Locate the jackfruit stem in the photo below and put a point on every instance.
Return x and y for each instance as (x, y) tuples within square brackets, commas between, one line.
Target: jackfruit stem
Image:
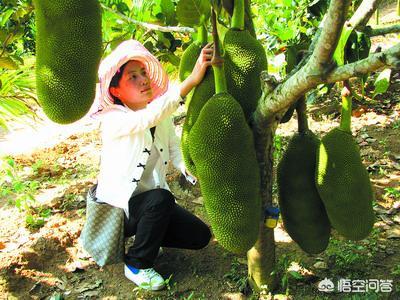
[(301, 109), (219, 74), (202, 34), (345, 120), (238, 15)]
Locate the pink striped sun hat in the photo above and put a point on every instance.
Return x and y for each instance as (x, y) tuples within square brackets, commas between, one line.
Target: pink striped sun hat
[(126, 51)]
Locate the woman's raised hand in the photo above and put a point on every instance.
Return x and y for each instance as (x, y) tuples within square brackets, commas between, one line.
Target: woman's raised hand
[(202, 63)]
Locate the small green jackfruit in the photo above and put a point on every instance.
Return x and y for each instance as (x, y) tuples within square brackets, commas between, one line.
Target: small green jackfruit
[(188, 60), (68, 52), (303, 213), (201, 94), (221, 146), (245, 58), (344, 186)]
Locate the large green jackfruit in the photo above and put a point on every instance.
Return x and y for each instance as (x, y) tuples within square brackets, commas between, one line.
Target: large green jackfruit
[(245, 58), (201, 94), (188, 60), (344, 186), (68, 51), (222, 148), (303, 212)]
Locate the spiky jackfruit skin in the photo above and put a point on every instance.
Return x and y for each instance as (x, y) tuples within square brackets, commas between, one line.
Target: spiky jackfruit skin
[(202, 93), (245, 58), (68, 51), (344, 186), (188, 60), (221, 146), (303, 212)]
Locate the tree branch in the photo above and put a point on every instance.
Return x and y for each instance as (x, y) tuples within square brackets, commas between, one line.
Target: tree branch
[(388, 58), (317, 67), (332, 28), (385, 30), (149, 25), (290, 90), (363, 13)]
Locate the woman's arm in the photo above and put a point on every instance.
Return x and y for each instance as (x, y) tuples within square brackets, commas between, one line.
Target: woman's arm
[(124, 122)]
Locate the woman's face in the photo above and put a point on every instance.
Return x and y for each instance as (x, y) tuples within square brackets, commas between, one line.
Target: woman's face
[(134, 88)]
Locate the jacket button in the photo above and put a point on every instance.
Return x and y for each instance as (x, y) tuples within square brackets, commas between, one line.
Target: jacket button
[(161, 150), (165, 162)]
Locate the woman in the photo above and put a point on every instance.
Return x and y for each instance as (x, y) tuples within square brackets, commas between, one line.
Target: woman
[(138, 140)]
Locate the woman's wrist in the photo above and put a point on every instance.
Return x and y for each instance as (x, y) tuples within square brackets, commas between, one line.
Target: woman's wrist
[(186, 86)]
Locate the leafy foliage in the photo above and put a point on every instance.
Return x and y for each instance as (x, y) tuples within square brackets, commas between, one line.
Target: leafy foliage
[(288, 23), (16, 32), (382, 82), (199, 10), (120, 22), (17, 94)]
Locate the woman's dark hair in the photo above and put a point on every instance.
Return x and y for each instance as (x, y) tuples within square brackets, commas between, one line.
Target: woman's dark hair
[(115, 82)]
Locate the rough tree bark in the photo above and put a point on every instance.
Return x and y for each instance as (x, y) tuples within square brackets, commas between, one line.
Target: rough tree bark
[(363, 13), (385, 30), (318, 69)]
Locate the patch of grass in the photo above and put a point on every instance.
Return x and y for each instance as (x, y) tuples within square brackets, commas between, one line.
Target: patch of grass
[(396, 270), (352, 259), (237, 275), (385, 144), (392, 192), (284, 273), (396, 124), (20, 192)]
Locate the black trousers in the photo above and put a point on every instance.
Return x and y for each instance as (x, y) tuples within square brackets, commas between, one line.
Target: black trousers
[(156, 220)]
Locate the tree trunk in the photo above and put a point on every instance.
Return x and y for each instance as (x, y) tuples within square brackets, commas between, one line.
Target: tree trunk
[(261, 258), (398, 7)]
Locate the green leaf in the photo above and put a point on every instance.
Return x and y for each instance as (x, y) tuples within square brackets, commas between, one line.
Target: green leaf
[(296, 275), (5, 16), (168, 10), (338, 56), (8, 63), (189, 12), (287, 2), (174, 59), (382, 82), (287, 34)]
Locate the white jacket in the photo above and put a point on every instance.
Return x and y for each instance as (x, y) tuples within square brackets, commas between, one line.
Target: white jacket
[(127, 141)]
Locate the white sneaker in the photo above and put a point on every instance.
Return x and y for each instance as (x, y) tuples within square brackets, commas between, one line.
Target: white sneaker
[(147, 279)]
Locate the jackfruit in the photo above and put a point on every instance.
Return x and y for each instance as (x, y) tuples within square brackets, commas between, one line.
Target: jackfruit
[(188, 60), (344, 186), (245, 58), (192, 52), (303, 213), (221, 146), (68, 52), (201, 94)]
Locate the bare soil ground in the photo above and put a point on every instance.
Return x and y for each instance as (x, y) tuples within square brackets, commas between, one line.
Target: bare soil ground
[(47, 263)]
